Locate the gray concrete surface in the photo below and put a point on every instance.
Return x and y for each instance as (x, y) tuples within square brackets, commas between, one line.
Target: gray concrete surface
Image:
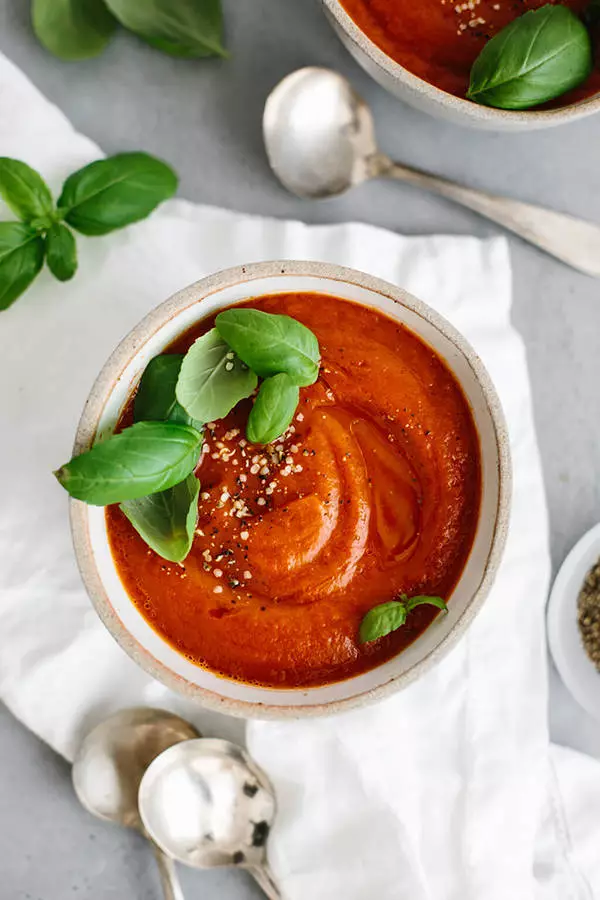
[(204, 117)]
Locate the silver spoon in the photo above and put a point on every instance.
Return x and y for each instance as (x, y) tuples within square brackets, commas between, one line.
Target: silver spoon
[(320, 141), (206, 804), (109, 765)]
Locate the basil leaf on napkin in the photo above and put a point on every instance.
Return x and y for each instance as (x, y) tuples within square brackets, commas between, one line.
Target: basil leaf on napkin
[(273, 409), (271, 344), (388, 617), (21, 258), (114, 192), (155, 400), (188, 28), (167, 520), (141, 460), (24, 190), (537, 57), (61, 251), (73, 29), (212, 379)]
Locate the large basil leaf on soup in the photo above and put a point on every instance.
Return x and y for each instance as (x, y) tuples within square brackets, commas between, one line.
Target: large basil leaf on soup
[(537, 57), (21, 258), (146, 458), (24, 190), (213, 379), (186, 28), (271, 344), (111, 193), (273, 409), (155, 400), (167, 520), (387, 617), (73, 29)]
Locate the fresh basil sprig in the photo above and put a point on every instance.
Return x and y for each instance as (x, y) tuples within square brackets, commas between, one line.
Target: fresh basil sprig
[(79, 29), (537, 57), (167, 520), (212, 379), (143, 459), (273, 409), (101, 197), (388, 617), (270, 344), (73, 29)]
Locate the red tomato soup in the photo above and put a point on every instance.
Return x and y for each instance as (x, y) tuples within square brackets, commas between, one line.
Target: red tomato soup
[(374, 492), (439, 40)]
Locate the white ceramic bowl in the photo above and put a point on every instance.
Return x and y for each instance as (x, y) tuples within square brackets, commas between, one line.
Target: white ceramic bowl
[(114, 386), (575, 668), (423, 95)]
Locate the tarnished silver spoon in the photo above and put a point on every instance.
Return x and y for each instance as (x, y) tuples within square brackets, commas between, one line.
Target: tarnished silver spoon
[(320, 141), (109, 766), (207, 804)]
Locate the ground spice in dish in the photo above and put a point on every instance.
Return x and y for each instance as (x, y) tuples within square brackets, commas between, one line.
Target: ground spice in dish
[(588, 614)]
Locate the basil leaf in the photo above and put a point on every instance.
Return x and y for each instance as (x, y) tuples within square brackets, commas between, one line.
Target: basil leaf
[(114, 192), (180, 27), (382, 620), (61, 252), (387, 617), (212, 379), (270, 343), (537, 57), (155, 400), (273, 409), (143, 459), (73, 29), (24, 190), (422, 600), (167, 520), (21, 258)]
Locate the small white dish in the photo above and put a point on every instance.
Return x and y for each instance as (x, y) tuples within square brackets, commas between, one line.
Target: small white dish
[(574, 666)]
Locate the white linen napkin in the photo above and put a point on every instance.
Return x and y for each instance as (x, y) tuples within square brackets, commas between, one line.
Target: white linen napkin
[(444, 791)]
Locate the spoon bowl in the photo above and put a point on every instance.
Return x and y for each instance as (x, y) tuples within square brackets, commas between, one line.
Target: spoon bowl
[(206, 804), (111, 761), (318, 133)]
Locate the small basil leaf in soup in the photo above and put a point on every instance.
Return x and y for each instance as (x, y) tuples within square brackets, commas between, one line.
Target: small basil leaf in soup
[(61, 251), (155, 400), (145, 458), (167, 520), (388, 617), (111, 193), (186, 28), (24, 190), (73, 29), (271, 344), (212, 379), (537, 57), (422, 600), (382, 620), (21, 258), (273, 409)]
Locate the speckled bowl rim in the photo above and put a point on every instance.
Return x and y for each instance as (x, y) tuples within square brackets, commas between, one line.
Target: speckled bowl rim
[(463, 107), (100, 395)]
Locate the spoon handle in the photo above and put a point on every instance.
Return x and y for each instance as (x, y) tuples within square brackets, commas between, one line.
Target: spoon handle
[(571, 240), (168, 876), (264, 878)]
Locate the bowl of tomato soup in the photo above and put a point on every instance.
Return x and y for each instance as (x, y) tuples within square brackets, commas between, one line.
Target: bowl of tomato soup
[(394, 479), (423, 52)]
